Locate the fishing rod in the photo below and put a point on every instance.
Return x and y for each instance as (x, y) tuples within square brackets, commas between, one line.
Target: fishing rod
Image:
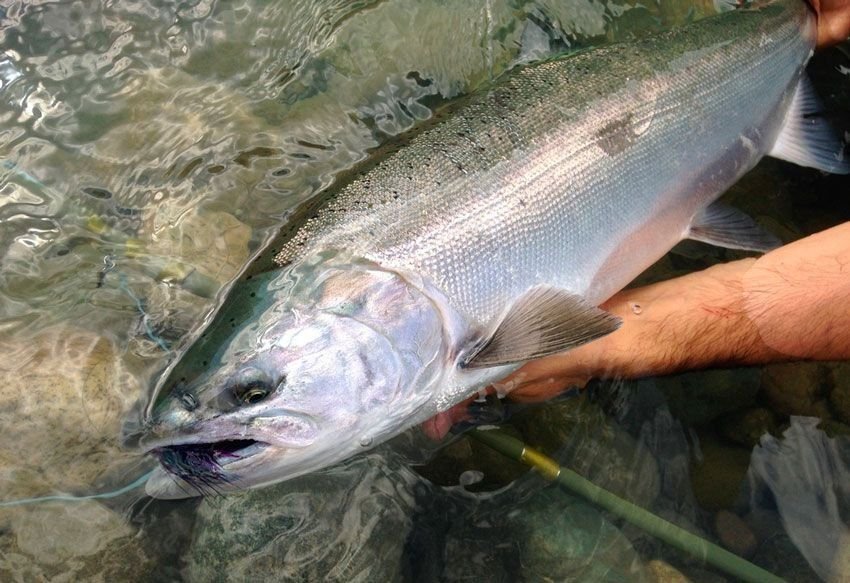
[(661, 529)]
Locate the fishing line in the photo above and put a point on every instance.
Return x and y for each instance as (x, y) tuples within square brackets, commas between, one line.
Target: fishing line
[(149, 332), (67, 498)]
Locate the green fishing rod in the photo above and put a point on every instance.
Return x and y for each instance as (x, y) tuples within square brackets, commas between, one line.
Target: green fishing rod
[(668, 532)]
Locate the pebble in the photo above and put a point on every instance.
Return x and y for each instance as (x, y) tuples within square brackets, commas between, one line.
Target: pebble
[(718, 477), (747, 426), (734, 533), (796, 388), (697, 398), (659, 571)]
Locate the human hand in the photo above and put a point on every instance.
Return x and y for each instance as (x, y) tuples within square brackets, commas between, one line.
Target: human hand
[(833, 21)]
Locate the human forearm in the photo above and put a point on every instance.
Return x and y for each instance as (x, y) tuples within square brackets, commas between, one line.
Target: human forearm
[(793, 303)]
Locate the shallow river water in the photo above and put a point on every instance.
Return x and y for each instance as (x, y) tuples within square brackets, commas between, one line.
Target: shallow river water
[(148, 149)]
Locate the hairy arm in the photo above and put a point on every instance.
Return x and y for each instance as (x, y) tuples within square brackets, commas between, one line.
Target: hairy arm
[(791, 304)]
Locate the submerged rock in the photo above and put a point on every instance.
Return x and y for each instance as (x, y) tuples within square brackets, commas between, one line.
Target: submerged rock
[(718, 476), (734, 533), (565, 539), (347, 523), (81, 541), (658, 571), (697, 398), (581, 437), (196, 247), (747, 426), (796, 388), (545, 535), (63, 399)]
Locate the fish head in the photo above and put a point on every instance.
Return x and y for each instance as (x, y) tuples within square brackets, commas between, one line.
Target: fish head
[(330, 367)]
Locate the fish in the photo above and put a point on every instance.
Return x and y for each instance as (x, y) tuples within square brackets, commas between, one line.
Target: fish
[(485, 238)]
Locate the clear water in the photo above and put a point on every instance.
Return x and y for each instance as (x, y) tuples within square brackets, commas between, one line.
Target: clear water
[(148, 148)]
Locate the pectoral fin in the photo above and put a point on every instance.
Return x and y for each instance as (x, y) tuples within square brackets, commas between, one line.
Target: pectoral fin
[(806, 137), (546, 320), (728, 227)]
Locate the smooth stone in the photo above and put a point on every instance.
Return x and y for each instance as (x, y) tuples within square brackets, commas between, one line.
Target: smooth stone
[(718, 477), (212, 242), (734, 533), (565, 539), (544, 534), (796, 388), (64, 396), (696, 398), (658, 571), (81, 541), (346, 523), (747, 426)]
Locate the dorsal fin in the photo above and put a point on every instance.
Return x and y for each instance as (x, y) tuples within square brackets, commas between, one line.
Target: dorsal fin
[(545, 320)]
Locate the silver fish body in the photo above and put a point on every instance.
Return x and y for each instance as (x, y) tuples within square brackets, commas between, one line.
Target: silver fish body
[(576, 173)]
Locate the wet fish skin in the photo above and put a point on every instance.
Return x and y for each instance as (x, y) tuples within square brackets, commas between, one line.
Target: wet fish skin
[(576, 173), (559, 153)]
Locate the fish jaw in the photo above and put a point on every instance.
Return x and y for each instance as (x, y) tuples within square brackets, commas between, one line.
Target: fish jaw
[(216, 470), (224, 470)]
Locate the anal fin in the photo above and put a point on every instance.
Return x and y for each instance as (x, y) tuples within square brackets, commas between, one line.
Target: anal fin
[(806, 137), (725, 226), (545, 320)]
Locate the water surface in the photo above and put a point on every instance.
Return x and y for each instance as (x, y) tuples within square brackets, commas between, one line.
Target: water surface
[(148, 149)]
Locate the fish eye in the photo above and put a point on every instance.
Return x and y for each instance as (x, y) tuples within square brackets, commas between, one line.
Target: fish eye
[(248, 386), (252, 392)]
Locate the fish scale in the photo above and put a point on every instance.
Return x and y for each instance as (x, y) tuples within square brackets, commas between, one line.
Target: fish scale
[(542, 179)]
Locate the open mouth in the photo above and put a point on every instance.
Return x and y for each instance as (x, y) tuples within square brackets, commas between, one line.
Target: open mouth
[(203, 464)]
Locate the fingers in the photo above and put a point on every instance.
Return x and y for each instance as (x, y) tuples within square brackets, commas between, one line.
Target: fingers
[(438, 426), (833, 21), (542, 379)]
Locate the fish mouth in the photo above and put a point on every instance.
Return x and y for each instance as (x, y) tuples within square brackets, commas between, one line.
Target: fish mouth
[(206, 466)]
